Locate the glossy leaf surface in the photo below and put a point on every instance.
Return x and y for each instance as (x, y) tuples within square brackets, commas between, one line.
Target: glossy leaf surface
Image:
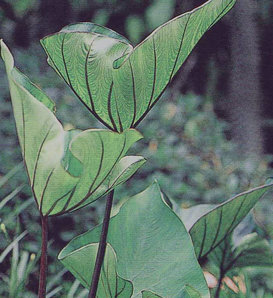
[(66, 169), (119, 84), (214, 226), (153, 248)]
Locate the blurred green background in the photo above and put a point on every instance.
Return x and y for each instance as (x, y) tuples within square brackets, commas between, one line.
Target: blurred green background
[(208, 138)]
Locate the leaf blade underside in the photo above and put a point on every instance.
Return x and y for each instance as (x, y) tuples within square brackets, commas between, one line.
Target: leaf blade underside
[(119, 84), (214, 226), (63, 175)]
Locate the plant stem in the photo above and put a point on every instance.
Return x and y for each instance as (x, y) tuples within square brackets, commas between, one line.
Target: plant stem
[(217, 293), (102, 246), (43, 262)]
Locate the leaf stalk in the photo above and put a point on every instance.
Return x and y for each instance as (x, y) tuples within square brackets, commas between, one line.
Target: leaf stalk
[(43, 262), (102, 246)]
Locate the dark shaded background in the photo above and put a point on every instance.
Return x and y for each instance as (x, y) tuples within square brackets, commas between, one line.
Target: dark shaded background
[(239, 44)]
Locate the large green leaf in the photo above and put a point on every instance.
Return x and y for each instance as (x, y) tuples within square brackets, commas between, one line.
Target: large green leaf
[(66, 169), (83, 55), (119, 84), (82, 262), (154, 250), (212, 227)]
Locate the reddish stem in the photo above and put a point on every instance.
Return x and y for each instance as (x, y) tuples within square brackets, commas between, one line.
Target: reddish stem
[(102, 246), (43, 262)]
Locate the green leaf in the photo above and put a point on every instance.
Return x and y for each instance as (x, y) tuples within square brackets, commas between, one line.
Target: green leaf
[(213, 227), (126, 167), (189, 292), (221, 255), (153, 248), (252, 251), (119, 84), (82, 262), (67, 169), (83, 55), (149, 294)]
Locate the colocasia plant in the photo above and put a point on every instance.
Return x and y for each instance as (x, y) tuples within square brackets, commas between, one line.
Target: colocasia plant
[(151, 247)]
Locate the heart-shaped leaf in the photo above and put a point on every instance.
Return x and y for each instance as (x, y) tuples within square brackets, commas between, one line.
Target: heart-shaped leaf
[(119, 84), (154, 250), (66, 169), (211, 228)]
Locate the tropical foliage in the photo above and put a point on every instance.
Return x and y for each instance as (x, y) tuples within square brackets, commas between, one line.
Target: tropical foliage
[(154, 248)]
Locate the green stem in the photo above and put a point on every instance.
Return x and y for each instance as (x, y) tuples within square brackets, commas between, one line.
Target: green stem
[(43, 262), (102, 246)]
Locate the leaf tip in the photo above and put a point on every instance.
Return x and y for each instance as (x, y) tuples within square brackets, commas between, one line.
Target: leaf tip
[(269, 180)]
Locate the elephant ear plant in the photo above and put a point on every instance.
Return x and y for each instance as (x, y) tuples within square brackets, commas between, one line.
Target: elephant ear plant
[(66, 169), (158, 257), (149, 252)]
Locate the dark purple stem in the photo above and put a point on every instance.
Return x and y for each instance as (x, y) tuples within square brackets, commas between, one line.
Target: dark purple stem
[(43, 262), (218, 289), (102, 246)]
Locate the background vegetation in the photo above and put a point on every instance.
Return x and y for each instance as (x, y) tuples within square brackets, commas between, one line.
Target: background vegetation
[(208, 139)]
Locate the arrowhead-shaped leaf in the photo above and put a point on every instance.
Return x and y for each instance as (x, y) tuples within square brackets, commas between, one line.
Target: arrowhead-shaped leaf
[(66, 170), (212, 227), (154, 250), (119, 84)]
